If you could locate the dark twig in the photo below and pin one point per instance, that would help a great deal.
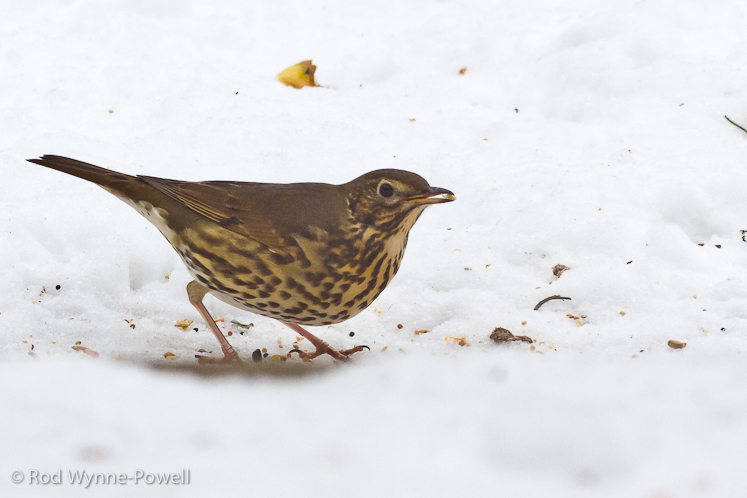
(549, 299)
(735, 124)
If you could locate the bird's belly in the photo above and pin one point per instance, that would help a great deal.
(302, 304)
(287, 287)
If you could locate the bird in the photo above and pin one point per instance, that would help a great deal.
(306, 254)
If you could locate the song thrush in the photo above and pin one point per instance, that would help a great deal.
(302, 253)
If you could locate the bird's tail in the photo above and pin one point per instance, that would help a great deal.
(110, 180)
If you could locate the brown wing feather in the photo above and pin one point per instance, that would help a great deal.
(217, 202)
(266, 212)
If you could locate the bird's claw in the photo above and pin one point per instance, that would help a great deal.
(223, 360)
(325, 349)
(356, 349)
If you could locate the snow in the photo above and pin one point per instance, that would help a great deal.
(583, 133)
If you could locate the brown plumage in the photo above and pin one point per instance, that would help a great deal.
(303, 253)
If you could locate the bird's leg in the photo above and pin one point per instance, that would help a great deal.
(196, 292)
(321, 346)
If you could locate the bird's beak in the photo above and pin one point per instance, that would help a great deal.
(433, 195)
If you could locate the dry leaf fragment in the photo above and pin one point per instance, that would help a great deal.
(88, 351)
(558, 269)
(298, 75)
(422, 331)
(455, 339)
(462, 341)
(463, 70)
(499, 334)
(384, 348)
(184, 324)
(246, 326)
(622, 313)
(170, 356)
(676, 344)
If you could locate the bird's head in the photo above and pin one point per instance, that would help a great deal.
(387, 199)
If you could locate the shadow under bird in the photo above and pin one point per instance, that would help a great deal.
(302, 253)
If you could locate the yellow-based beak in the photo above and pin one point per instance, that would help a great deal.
(434, 195)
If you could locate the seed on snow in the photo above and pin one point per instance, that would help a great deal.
(676, 344)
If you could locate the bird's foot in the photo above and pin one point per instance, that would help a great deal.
(231, 358)
(324, 348)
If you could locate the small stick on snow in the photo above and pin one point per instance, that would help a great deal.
(88, 351)
(549, 299)
(735, 124)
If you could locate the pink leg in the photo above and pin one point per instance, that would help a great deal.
(196, 292)
(321, 346)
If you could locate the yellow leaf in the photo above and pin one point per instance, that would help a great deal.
(184, 324)
(298, 75)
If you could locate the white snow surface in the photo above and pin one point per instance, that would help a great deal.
(586, 133)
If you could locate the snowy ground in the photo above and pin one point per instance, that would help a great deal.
(590, 134)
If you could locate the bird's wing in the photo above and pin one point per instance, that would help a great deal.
(235, 206)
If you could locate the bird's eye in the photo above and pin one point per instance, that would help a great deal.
(386, 190)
